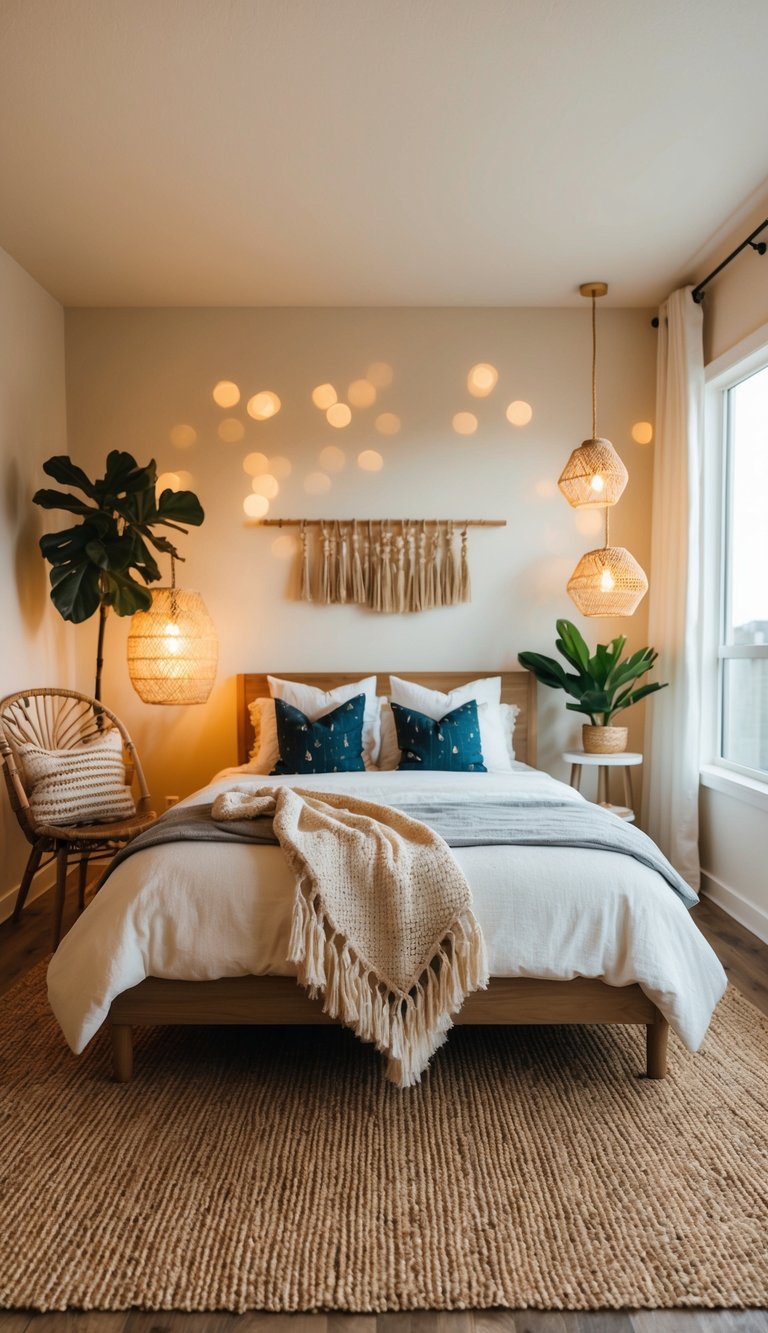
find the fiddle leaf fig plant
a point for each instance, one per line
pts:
(95, 563)
(602, 684)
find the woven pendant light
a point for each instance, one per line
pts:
(173, 651)
(607, 582)
(594, 475)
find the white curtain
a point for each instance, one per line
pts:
(671, 775)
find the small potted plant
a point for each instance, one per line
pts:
(602, 685)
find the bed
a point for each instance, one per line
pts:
(687, 992)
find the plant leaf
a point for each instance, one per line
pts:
(181, 506)
(75, 590)
(572, 645)
(62, 469)
(48, 499)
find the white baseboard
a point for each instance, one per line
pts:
(40, 885)
(741, 909)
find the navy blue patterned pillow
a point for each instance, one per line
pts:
(331, 744)
(451, 744)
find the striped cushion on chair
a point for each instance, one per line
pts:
(78, 786)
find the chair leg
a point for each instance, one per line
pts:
(61, 889)
(81, 881)
(26, 881)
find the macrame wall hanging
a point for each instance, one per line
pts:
(389, 565)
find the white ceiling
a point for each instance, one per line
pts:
(374, 152)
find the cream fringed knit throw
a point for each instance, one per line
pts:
(383, 927)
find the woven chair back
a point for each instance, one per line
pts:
(56, 719)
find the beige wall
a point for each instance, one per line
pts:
(37, 647)
(736, 303)
(134, 375)
(734, 832)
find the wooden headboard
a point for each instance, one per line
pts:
(517, 687)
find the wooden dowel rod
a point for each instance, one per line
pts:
(315, 522)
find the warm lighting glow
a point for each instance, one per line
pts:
(465, 423)
(265, 484)
(519, 412)
(482, 379)
(339, 415)
(183, 437)
(284, 547)
(607, 582)
(280, 467)
(256, 506)
(370, 460)
(642, 432)
(324, 396)
(263, 405)
(546, 488)
(172, 649)
(167, 481)
(171, 641)
(380, 374)
(332, 459)
(317, 483)
(253, 464)
(593, 475)
(226, 393)
(231, 430)
(388, 423)
(361, 393)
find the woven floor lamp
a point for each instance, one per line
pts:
(608, 581)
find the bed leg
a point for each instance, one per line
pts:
(122, 1052)
(657, 1034)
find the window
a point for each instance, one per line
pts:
(743, 652)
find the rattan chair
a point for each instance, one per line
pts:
(63, 720)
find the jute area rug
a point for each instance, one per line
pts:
(275, 1169)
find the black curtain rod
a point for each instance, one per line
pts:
(759, 246)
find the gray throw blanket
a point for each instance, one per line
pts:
(460, 824)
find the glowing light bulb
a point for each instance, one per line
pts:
(607, 581)
(172, 644)
(597, 483)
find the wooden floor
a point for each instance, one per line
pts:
(745, 959)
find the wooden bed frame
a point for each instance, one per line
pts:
(280, 1001)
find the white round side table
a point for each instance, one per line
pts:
(625, 761)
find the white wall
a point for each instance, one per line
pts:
(134, 375)
(734, 831)
(37, 647)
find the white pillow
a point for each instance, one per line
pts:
(314, 703)
(435, 704)
(78, 786)
(509, 715)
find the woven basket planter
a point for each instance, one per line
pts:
(603, 740)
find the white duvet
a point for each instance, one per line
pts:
(199, 911)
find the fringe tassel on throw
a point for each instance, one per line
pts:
(407, 1028)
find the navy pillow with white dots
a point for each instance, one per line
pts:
(331, 744)
(451, 744)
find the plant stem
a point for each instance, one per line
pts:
(103, 609)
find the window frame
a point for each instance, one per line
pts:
(737, 364)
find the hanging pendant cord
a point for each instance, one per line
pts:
(607, 527)
(594, 371)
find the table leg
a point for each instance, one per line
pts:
(629, 799)
(602, 786)
(575, 780)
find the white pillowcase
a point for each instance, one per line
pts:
(433, 703)
(314, 703)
